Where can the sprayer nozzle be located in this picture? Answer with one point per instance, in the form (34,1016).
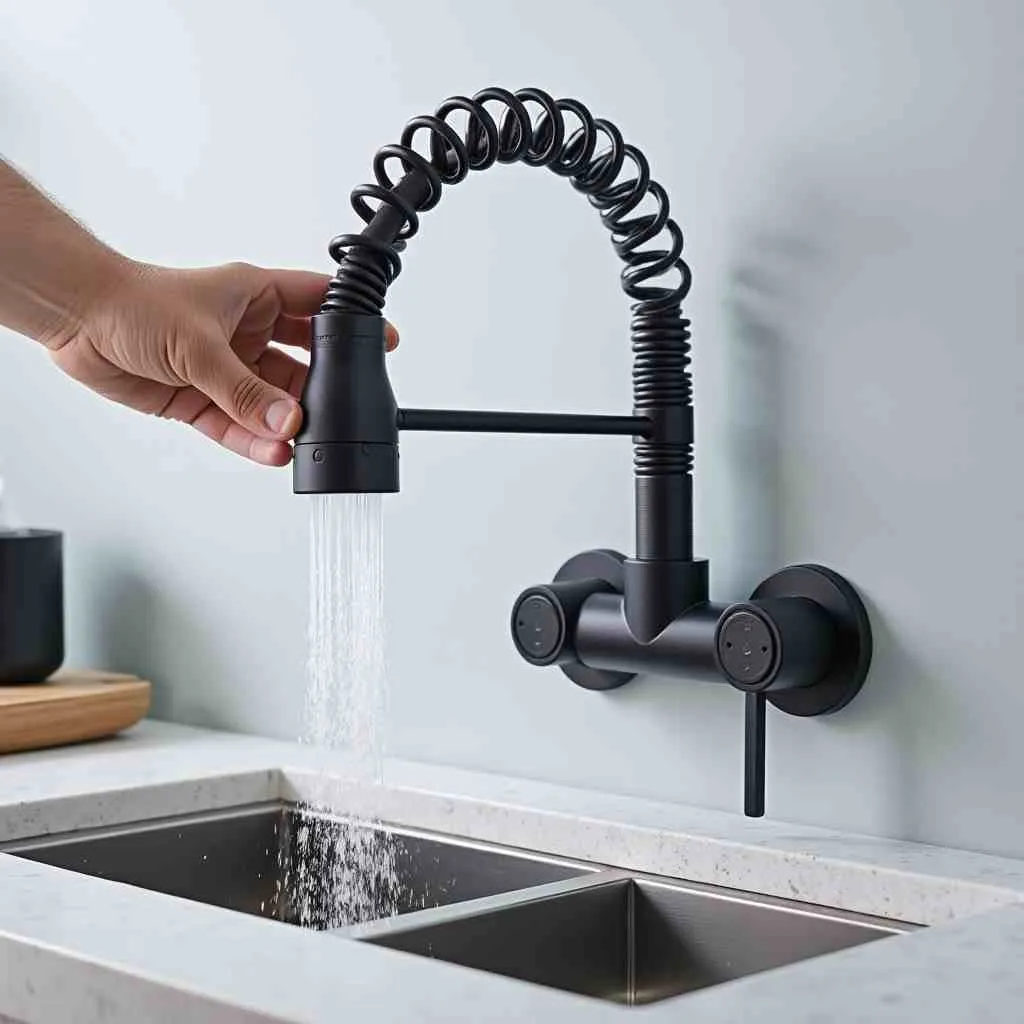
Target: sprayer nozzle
(360,468)
(349,438)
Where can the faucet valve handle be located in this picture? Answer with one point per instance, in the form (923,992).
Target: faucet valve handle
(803,643)
(753,755)
(766,645)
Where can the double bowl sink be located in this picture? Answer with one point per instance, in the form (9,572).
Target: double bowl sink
(579,927)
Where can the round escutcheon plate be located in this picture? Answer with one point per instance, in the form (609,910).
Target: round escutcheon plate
(599,564)
(853,654)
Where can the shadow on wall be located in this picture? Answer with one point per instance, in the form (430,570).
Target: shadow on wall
(897,701)
(778,277)
(753,371)
(135,626)
(789,270)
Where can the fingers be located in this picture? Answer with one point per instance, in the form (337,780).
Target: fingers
(390,337)
(292,330)
(185,404)
(278,368)
(217,425)
(193,407)
(258,407)
(299,292)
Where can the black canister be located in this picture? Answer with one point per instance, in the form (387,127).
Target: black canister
(31,605)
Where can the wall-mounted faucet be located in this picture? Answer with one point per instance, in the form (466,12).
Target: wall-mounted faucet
(803,640)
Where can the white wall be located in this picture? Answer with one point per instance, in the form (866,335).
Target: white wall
(849,178)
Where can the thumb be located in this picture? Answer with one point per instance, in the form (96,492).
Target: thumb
(248,399)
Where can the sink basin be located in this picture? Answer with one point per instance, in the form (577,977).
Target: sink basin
(631,940)
(247,860)
(612,934)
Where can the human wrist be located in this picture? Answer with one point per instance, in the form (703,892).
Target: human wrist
(100,280)
(53,271)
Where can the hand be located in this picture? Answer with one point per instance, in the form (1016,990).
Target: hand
(194,345)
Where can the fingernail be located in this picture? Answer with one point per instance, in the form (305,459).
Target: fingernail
(281,416)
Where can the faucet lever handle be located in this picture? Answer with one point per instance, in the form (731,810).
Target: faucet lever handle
(753,755)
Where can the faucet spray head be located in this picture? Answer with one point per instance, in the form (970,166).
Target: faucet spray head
(348,443)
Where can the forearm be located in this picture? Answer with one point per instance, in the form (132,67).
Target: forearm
(51,269)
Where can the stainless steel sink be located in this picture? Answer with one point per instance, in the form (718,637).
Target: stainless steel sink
(601,932)
(247,860)
(630,939)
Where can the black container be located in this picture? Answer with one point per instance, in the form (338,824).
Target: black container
(31,605)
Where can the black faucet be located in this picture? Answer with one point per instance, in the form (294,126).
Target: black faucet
(802,641)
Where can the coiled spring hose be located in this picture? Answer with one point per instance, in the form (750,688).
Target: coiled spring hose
(615,177)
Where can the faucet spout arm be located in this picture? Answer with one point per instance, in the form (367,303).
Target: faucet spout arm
(478,422)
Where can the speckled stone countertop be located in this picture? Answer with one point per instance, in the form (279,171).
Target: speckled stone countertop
(82,950)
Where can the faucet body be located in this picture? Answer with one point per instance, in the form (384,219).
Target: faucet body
(802,641)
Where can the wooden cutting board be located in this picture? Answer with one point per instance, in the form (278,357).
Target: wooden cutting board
(69,708)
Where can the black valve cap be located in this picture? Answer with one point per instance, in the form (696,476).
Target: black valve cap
(538,628)
(773,644)
(544,620)
(746,647)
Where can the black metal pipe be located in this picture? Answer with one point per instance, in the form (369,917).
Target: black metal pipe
(664,518)
(471,421)
(686,647)
(657,592)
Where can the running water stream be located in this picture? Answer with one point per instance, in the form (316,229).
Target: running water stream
(339,874)
(345,697)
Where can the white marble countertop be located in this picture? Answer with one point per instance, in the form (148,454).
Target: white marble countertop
(82,950)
